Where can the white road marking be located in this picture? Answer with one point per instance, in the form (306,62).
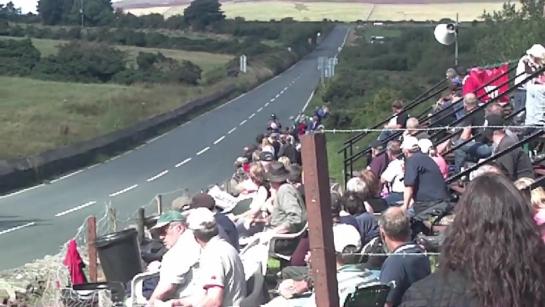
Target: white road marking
(161,174)
(285,89)
(260,109)
(232,130)
(67,176)
(203,151)
(182,163)
(308,101)
(251,116)
(87,204)
(124,190)
(267,104)
(277,95)
(21,191)
(242,122)
(273,99)
(219,140)
(156,138)
(17,228)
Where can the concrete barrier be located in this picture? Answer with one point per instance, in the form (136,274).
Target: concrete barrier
(21,172)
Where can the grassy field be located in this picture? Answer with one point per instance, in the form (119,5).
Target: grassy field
(207,61)
(342,11)
(41,115)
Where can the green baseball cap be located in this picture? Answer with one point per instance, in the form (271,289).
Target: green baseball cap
(169,217)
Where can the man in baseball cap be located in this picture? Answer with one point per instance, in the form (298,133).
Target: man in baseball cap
(178,262)
(227,229)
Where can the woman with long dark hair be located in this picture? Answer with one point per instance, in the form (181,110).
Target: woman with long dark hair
(492,255)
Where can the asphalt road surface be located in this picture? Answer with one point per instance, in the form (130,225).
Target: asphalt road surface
(35,222)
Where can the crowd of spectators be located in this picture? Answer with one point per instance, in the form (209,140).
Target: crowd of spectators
(493,239)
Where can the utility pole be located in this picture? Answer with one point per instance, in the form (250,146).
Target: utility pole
(320,224)
(81,13)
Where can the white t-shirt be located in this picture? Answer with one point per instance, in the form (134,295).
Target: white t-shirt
(393,174)
(220,266)
(179,262)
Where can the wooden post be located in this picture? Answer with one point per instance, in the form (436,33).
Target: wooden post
(159,199)
(318,202)
(91,247)
(140,224)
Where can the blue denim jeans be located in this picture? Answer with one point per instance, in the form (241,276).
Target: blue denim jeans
(472,151)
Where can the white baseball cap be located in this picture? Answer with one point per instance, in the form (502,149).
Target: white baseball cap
(409,142)
(200,218)
(345,235)
(425,145)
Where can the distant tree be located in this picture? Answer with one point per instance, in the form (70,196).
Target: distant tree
(202,13)
(9,11)
(175,22)
(51,11)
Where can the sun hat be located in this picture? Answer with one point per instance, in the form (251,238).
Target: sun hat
(266,156)
(277,172)
(169,217)
(202,200)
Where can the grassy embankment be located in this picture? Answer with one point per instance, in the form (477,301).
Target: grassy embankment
(343,11)
(41,115)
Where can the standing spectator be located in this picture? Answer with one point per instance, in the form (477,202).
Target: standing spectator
(227,228)
(287,148)
(424,184)
(221,277)
(398,120)
(400,269)
(454,78)
(274,124)
(177,265)
(528,64)
(492,254)
(516,163)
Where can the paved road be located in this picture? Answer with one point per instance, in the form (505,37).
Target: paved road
(36,221)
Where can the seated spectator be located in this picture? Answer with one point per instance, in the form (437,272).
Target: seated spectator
(177,265)
(298,280)
(377,160)
(289,213)
(475,149)
(398,120)
(486,168)
(413,126)
(537,200)
(516,163)
(425,189)
(393,178)
(227,229)
(220,279)
(370,193)
(287,149)
(266,146)
(367,224)
(298,256)
(380,163)
(426,146)
(266,158)
(296,178)
(356,185)
(399,269)
(491,243)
